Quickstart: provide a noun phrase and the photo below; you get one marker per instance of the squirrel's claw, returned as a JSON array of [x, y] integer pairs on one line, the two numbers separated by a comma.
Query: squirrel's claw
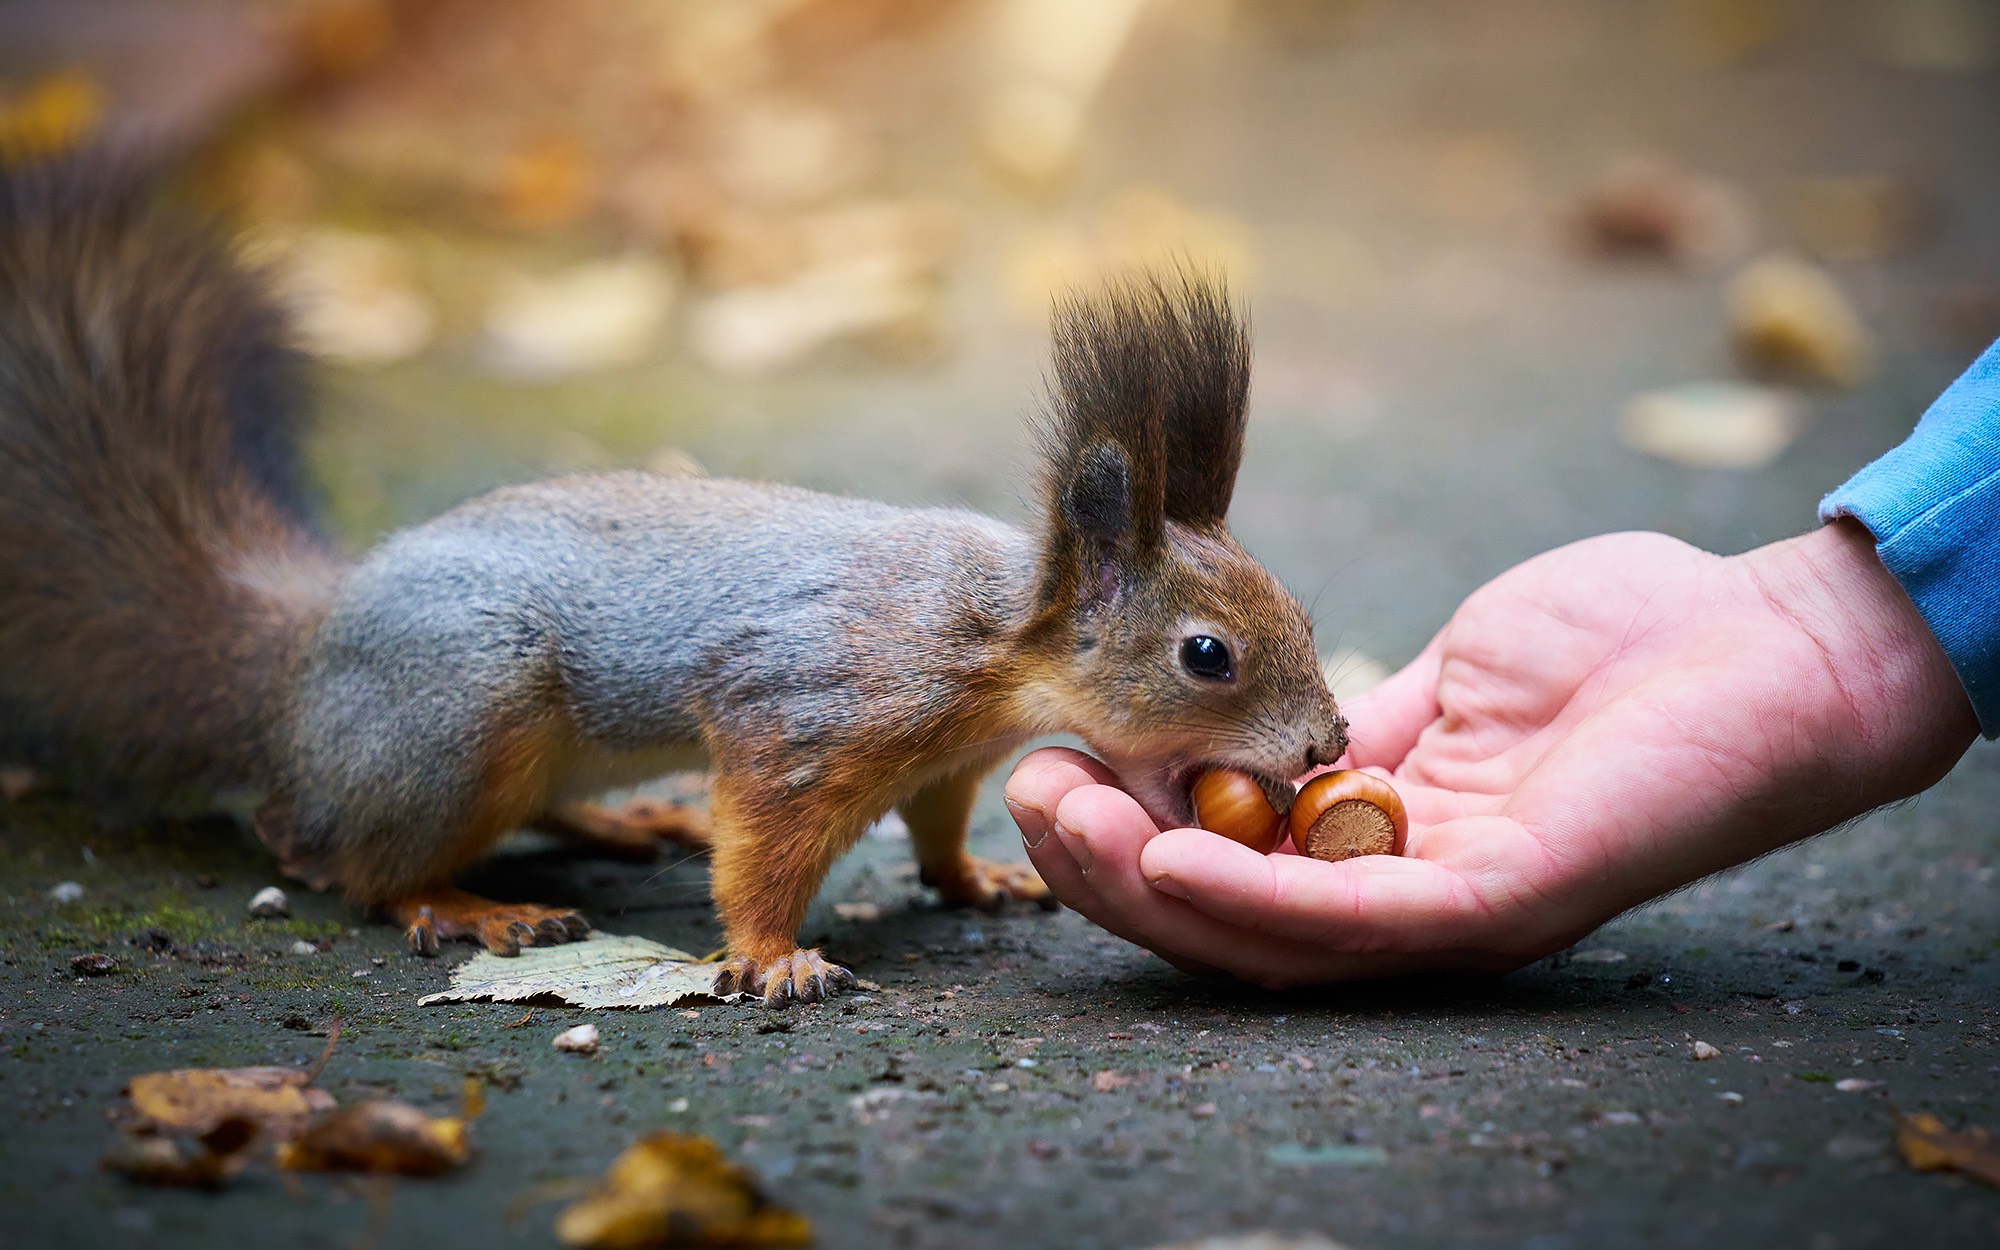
[[422, 934], [804, 976], [435, 916], [987, 885]]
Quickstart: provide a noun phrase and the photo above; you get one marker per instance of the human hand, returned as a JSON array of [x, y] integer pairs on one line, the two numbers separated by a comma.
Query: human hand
[[1592, 729]]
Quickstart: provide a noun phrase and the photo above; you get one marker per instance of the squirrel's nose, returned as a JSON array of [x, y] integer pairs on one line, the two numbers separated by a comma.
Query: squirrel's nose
[[1326, 749]]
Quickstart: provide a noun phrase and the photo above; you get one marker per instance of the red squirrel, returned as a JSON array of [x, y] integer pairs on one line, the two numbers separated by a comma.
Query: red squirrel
[[164, 599]]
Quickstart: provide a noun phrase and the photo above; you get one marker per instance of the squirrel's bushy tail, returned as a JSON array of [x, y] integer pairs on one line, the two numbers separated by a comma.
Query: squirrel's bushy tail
[[156, 569]]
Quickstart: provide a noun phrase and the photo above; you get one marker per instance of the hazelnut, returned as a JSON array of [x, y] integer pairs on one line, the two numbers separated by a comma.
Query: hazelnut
[[1233, 804], [1342, 814]]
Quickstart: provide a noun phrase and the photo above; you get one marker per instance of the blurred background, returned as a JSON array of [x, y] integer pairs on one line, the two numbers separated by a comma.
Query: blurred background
[[1520, 270]]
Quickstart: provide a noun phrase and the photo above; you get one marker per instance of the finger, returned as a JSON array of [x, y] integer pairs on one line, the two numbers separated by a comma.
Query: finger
[[1106, 832], [1040, 781], [1385, 721], [1377, 904]]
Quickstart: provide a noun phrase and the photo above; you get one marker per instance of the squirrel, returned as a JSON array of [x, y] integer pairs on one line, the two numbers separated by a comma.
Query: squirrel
[[166, 601]]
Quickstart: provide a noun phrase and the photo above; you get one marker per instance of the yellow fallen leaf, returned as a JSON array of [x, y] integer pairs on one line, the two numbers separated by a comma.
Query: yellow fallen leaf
[[677, 1189], [1928, 1146], [383, 1136], [1788, 316], [194, 1101]]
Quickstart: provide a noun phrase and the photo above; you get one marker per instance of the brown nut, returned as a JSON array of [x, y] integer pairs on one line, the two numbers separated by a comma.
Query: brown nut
[[1342, 814], [1233, 804]]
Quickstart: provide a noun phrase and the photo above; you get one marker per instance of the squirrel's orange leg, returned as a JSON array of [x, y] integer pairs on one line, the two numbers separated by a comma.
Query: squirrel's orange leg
[[632, 830], [771, 853], [444, 913], [940, 817]]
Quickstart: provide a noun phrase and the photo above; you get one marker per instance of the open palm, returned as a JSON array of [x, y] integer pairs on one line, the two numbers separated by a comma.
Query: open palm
[[1593, 728]]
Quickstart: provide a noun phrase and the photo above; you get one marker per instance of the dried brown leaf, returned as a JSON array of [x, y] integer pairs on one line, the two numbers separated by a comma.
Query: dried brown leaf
[[194, 1101], [205, 1162], [677, 1189], [383, 1136], [1928, 1146]]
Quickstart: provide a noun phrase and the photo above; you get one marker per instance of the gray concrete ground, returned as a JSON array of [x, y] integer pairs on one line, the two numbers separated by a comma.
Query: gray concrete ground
[[1439, 404]]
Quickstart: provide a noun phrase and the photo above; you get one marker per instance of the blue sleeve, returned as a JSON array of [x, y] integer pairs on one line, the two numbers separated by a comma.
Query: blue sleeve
[[1933, 505]]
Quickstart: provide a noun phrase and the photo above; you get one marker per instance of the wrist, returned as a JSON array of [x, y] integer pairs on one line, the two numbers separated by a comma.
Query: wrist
[[1907, 714]]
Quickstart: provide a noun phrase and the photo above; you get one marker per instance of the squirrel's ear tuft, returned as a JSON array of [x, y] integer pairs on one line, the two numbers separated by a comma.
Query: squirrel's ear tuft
[[1203, 347], [1160, 368]]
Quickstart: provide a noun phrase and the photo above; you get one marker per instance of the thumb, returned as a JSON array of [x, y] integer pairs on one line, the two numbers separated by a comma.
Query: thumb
[[1385, 721]]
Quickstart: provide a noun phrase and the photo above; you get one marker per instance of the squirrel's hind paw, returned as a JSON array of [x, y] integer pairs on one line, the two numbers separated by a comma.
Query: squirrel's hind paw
[[803, 976], [987, 885], [504, 928], [630, 831]]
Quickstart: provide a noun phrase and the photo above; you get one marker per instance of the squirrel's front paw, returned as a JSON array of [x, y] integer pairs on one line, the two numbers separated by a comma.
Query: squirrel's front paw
[[803, 976], [981, 883]]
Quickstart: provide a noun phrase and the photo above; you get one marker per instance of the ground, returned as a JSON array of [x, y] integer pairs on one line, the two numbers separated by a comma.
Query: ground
[[1439, 383]]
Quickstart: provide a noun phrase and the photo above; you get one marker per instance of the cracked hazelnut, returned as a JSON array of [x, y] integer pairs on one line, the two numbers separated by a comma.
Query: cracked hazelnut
[[1342, 814]]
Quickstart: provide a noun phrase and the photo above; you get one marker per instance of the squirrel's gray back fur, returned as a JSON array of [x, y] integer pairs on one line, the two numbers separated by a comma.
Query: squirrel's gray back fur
[[653, 612]]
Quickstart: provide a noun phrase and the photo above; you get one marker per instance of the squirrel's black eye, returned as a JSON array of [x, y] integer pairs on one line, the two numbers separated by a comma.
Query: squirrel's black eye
[[1207, 657]]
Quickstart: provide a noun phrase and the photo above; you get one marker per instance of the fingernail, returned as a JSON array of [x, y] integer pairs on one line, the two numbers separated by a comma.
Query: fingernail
[[1077, 844], [1166, 884], [1034, 825]]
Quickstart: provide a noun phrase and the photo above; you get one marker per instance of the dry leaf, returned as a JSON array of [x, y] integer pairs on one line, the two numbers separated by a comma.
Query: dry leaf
[[1051, 57], [600, 971], [194, 1101], [1789, 316], [198, 1101], [1646, 207], [1712, 425], [672, 1188], [1136, 228], [761, 329], [351, 296], [1928, 1146], [207, 1161], [590, 316], [383, 1136]]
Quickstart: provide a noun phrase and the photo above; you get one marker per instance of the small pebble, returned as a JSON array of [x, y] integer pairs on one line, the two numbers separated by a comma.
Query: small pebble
[[1855, 1085], [1702, 1050], [581, 1040], [65, 892], [270, 903], [1203, 1111], [303, 947], [359, 973], [95, 965], [1731, 1098]]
